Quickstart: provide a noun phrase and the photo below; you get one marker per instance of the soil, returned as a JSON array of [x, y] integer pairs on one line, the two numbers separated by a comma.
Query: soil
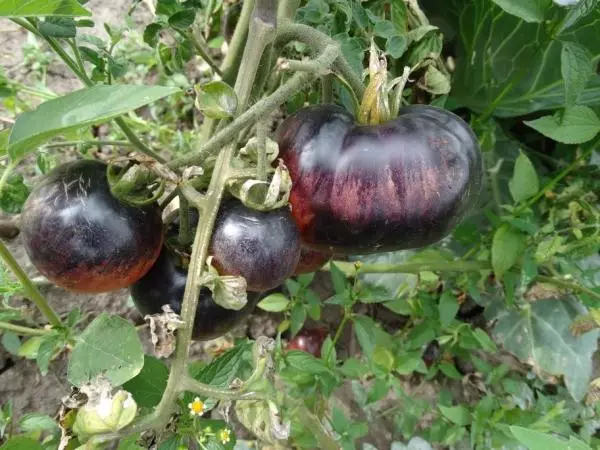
[[21, 381]]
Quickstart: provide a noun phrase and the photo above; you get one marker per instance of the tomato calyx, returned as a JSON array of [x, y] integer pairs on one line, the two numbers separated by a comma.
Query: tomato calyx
[[375, 108], [134, 184]]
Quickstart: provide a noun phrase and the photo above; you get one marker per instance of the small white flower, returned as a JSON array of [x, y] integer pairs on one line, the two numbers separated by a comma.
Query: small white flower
[[225, 436], [196, 407]]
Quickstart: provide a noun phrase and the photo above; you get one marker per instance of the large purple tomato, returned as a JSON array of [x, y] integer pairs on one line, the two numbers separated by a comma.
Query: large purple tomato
[[165, 283], [263, 247], [81, 237], [370, 188]]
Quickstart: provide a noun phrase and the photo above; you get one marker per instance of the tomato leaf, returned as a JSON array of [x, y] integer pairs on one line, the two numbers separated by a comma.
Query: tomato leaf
[[577, 125], [536, 440], [507, 245], [216, 99], [274, 303], [80, 108], [109, 346], [37, 422], [524, 183], [42, 8], [448, 308], [541, 336], [459, 415], [21, 443], [148, 386]]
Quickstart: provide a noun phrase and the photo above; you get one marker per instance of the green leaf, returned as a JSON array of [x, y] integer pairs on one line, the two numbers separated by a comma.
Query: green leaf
[[221, 371], [385, 29], [528, 10], [579, 12], [45, 8], [47, 349], [14, 194], [183, 19], [577, 125], [369, 334], [524, 183], [148, 386], [216, 99], [458, 415], [507, 246], [484, 340], [536, 440], [11, 342], [21, 443], [29, 348], [60, 27], [305, 362], [383, 358], [109, 346], [353, 368], [396, 46], [151, 34], [378, 390], [514, 67], [338, 278], [37, 422], [297, 318], [129, 443], [448, 308], [78, 109], [274, 303], [541, 336], [576, 68]]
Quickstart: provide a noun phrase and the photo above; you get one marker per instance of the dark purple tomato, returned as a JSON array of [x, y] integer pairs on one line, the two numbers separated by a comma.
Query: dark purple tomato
[[309, 340], [164, 284], [365, 189], [263, 247], [310, 260], [81, 237]]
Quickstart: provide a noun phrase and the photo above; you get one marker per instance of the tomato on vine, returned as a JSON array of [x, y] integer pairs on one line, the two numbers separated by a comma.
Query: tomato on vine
[[81, 237]]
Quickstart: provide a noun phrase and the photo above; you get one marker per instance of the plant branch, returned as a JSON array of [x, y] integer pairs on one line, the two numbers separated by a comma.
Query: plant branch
[[255, 113], [23, 331], [236, 46], [569, 285], [98, 143], [318, 41], [30, 289], [200, 46], [349, 268]]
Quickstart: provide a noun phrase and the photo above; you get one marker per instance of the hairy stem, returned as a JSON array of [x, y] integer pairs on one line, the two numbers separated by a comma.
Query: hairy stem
[[98, 143], [349, 268], [31, 290], [254, 113], [318, 41], [201, 49], [570, 285], [185, 234], [236, 46], [23, 331]]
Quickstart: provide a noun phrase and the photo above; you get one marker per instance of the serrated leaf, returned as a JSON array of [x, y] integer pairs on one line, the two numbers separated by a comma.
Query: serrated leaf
[[221, 371], [528, 10], [524, 183], [540, 335], [507, 246], [80, 108], [536, 440], [274, 303], [148, 386], [577, 68], [577, 125], [369, 335], [305, 362], [42, 8], [109, 346], [216, 99]]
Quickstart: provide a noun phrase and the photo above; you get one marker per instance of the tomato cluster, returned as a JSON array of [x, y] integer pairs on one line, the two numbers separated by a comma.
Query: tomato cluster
[[356, 189]]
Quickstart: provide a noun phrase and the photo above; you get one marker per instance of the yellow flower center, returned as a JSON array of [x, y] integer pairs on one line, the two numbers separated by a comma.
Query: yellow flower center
[[224, 435], [197, 407]]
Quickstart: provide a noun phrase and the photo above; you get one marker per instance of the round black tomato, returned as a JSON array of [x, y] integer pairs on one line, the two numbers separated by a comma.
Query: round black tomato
[[263, 247], [309, 340], [81, 237], [363, 189], [165, 283]]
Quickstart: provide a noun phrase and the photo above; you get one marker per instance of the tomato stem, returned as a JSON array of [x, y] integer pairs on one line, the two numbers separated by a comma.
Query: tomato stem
[[31, 290], [255, 113], [569, 285], [185, 235], [201, 49], [24, 331], [349, 268]]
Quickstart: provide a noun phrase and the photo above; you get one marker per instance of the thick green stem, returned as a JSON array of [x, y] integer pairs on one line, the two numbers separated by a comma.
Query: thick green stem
[[338, 334], [201, 49], [237, 44], [327, 89], [287, 10], [575, 287], [98, 143], [349, 268], [318, 41], [185, 235], [23, 331], [30, 289], [254, 113]]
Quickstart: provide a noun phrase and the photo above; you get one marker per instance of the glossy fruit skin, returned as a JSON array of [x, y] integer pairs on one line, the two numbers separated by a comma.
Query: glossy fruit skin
[[366, 189], [309, 340], [81, 237], [165, 284], [311, 261], [263, 247]]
